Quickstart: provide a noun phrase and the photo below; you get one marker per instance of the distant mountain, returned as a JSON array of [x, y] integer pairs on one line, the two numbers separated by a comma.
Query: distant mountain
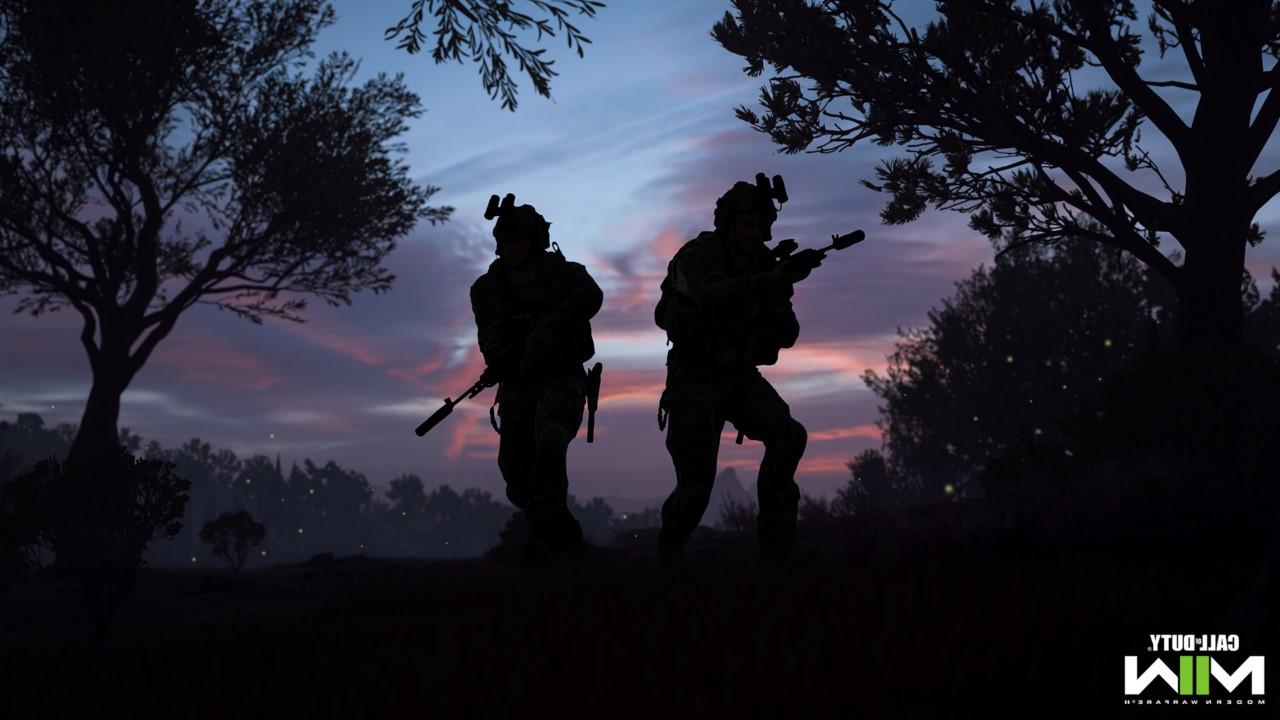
[[727, 486]]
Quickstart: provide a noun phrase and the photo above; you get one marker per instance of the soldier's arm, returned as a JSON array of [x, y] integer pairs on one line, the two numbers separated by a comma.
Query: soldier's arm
[[582, 301], [488, 314], [788, 326], [696, 277]]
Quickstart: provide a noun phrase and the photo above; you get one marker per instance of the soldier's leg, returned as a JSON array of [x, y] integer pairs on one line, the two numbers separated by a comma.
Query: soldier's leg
[[693, 440], [556, 422], [757, 410], [516, 446]]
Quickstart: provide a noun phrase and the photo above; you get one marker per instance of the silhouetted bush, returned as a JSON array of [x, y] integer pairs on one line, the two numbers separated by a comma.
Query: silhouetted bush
[[233, 535], [816, 512], [737, 516], [97, 518], [1171, 452]]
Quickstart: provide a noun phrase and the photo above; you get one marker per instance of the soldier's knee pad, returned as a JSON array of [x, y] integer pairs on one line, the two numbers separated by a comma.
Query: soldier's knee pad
[[798, 436], [695, 496], [552, 436], [519, 496], [791, 440]]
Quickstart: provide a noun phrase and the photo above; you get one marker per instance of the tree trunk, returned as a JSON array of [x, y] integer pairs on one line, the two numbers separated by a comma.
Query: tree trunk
[[1217, 160], [1210, 312], [99, 432]]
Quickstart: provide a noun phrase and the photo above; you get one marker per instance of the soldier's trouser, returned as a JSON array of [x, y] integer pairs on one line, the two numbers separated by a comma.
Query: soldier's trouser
[[538, 421], [697, 405]]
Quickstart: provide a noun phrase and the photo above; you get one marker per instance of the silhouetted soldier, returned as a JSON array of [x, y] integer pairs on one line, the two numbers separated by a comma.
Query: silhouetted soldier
[[726, 307], [533, 311]]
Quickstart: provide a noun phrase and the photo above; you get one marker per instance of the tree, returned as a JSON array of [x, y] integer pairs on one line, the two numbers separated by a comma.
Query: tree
[[595, 517], [461, 524], [159, 154], [233, 535], [329, 503], [339, 494], [260, 486], [409, 501], [815, 512], [408, 497], [26, 441], [650, 517], [994, 105], [476, 28], [1262, 321], [873, 484]]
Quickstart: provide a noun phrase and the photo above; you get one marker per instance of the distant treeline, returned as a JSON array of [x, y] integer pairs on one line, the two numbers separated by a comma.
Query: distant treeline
[[310, 508]]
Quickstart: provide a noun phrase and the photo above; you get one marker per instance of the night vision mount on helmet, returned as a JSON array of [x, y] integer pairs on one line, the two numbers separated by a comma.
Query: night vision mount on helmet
[[744, 198], [523, 219]]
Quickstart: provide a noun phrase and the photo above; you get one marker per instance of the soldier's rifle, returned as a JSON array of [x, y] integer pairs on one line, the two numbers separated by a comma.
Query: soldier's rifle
[[439, 415], [786, 248]]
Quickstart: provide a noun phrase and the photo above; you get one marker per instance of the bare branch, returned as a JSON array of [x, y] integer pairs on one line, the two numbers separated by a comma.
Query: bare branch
[[1173, 84]]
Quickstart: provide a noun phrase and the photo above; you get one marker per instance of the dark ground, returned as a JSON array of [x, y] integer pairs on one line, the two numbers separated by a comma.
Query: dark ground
[[613, 635]]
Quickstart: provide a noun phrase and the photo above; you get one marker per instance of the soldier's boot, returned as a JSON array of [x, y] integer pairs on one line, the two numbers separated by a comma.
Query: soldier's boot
[[568, 534], [556, 534], [671, 557], [681, 514], [537, 551]]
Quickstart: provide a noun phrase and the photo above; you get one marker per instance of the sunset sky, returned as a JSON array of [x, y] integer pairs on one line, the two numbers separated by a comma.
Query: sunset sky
[[626, 162]]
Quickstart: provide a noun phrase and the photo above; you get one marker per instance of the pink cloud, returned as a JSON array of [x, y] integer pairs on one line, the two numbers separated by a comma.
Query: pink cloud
[[849, 359], [866, 430], [823, 465], [343, 340], [469, 434], [413, 375], [632, 386], [203, 359]]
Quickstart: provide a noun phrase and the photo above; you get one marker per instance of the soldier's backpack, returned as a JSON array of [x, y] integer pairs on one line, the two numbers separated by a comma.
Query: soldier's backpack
[[675, 312]]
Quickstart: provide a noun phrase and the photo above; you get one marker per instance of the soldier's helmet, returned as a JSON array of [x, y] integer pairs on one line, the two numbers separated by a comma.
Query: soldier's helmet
[[748, 199], [526, 220]]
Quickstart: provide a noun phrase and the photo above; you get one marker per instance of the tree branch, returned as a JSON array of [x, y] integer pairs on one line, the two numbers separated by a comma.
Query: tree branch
[[1179, 15], [1100, 43], [1264, 124], [1263, 190], [1173, 84]]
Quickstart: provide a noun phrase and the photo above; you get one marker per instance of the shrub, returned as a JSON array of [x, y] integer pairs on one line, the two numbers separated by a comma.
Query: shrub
[[97, 518], [738, 516]]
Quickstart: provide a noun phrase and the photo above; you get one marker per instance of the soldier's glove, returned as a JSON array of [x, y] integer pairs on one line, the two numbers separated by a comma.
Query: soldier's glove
[[492, 375], [538, 348], [798, 266]]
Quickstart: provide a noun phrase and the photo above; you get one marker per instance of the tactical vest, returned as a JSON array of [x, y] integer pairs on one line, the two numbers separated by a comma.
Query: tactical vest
[[542, 296], [739, 337]]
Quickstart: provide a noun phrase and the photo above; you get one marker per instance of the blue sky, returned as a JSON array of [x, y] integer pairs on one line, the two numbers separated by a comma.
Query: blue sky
[[626, 162]]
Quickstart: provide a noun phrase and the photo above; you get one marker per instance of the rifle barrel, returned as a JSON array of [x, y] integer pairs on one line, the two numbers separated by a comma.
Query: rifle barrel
[[444, 411], [435, 418], [840, 242]]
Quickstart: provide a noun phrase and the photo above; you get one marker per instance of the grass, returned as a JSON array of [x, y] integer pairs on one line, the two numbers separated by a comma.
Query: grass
[[614, 635]]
